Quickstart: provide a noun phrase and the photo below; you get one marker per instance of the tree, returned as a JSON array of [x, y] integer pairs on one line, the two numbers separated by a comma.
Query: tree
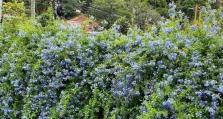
[[58, 9], [70, 7], [141, 13], [33, 8], [160, 6], [86, 5], [109, 10], [136, 12]]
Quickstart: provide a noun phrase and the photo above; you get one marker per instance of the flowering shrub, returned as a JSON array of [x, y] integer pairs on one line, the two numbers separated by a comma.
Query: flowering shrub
[[174, 70]]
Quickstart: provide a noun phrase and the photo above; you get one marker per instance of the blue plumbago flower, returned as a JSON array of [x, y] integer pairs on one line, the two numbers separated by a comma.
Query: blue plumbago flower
[[124, 88], [182, 53], [9, 100], [148, 35], [202, 95], [170, 79], [210, 83], [103, 46], [151, 63], [193, 27], [199, 114], [211, 112], [55, 84], [167, 30], [161, 64], [27, 67], [7, 110], [44, 115], [172, 56], [221, 77], [116, 28], [187, 82], [214, 30], [138, 41], [135, 66], [215, 102], [203, 9], [62, 27], [179, 26], [68, 44], [172, 10], [195, 60], [197, 74], [55, 48], [143, 109], [22, 34], [206, 20], [128, 47], [168, 44], [220, 89], [138, 38], [154, 44], [66, 63], [187, 43], [45, 55], [167, 105], [15, 83]]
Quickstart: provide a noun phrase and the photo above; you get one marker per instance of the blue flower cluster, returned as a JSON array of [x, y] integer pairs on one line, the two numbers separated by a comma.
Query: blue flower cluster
[[170, 71]]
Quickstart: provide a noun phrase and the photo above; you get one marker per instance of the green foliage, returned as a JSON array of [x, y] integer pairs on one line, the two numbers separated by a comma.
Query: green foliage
[[108, 10], [123, 24], [46, 18], [137, 12], [14, 9], [70, 7], [13, 13]]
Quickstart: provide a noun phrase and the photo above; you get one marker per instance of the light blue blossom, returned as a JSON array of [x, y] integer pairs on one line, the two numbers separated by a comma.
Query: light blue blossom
[[167, 30], [168, 44], [220, 89], [172, 56], [172, 10]]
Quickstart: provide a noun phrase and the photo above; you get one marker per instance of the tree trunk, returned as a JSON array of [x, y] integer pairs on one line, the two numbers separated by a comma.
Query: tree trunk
[[1, 15], [33, 8], [220, 3], [57, 8]]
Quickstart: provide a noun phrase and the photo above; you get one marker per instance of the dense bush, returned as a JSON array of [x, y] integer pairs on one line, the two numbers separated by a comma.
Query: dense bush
[[174, 70]]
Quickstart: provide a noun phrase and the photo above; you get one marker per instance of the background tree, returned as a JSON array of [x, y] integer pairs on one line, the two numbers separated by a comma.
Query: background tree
[[33, 8], [141, 13], [70, 7], [135, 11], [57, 8], [161, 6], [86, 5], [42, 6]]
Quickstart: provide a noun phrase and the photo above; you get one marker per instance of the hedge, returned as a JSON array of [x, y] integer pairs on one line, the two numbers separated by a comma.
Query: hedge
[[173, 70]]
